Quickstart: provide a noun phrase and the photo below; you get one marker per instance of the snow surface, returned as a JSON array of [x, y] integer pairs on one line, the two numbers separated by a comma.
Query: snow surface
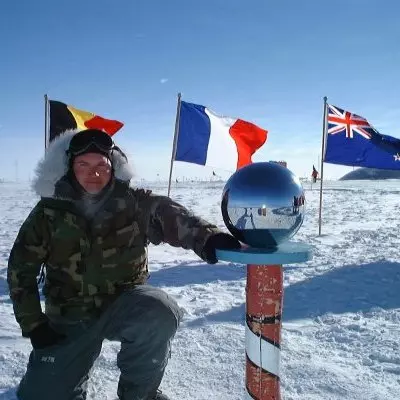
[[341, 325]]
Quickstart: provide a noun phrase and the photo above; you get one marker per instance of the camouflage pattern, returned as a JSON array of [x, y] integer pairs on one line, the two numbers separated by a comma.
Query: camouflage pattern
[[89, 263]]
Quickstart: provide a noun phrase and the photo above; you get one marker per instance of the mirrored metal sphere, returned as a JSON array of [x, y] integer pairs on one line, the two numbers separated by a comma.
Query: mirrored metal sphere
[[263, 204]]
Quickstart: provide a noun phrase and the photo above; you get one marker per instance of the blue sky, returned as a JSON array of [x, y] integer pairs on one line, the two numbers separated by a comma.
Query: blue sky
[[269, 62]]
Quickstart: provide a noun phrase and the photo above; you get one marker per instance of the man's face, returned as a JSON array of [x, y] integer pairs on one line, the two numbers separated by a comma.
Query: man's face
[[92, 171]]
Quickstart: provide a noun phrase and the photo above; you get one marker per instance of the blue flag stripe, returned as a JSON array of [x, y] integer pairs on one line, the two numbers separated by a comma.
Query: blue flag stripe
[[194, 134]]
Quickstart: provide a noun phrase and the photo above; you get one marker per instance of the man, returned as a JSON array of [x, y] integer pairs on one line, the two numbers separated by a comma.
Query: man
[[314, 174], [90, 232]]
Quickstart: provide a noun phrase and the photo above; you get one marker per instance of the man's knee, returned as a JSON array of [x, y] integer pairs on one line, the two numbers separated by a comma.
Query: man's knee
[[167, 315], [160, 311]]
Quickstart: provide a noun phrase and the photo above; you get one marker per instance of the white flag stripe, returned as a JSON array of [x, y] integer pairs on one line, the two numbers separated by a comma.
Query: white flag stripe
[[222, 152]]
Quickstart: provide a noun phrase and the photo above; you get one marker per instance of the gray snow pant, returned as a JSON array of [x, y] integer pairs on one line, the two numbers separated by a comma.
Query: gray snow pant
[[143, 319]]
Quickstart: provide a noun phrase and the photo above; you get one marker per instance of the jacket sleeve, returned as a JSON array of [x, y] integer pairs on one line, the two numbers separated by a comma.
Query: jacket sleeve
[[27, 255], [172, 223]]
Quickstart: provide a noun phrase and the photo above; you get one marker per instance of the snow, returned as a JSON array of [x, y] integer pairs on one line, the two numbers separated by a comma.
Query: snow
[[341, 318]]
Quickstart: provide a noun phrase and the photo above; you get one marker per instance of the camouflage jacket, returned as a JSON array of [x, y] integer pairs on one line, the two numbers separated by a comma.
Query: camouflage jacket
[[87, 263]]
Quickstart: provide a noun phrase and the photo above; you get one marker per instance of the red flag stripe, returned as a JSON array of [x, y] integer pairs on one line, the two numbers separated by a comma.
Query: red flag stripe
[[107, 125], [248, 138]]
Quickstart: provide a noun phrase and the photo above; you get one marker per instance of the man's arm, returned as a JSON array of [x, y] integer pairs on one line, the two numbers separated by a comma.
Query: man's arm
[[172, 223], [27, 255]]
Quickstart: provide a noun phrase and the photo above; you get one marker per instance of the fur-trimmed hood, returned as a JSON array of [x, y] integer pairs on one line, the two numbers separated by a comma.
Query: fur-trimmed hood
[[54, 165]]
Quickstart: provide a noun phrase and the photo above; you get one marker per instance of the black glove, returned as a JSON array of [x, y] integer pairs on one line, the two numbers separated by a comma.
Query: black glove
[[44, 336], [222, 241]]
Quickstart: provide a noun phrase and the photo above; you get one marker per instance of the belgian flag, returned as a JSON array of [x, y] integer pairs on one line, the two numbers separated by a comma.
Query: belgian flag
[[64, 117]]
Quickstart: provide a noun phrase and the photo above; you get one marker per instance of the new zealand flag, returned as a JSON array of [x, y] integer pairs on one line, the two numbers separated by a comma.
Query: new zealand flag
[[351, 140]]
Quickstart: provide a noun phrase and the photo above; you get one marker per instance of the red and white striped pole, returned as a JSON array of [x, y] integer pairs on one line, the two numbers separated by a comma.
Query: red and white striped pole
[[264, 305], [264, 296]]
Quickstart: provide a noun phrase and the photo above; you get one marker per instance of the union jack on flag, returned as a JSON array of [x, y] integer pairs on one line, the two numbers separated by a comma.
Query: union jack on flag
[[341, 121], [366, 147]]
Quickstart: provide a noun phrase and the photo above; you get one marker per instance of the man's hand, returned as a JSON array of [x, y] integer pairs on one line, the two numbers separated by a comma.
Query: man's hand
[[44, 336], [222, 241]]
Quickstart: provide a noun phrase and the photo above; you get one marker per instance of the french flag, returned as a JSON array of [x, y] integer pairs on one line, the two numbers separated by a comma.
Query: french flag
[[206, 138]]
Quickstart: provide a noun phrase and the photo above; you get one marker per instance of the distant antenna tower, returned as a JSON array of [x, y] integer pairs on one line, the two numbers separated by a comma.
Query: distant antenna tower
[[16, 171]]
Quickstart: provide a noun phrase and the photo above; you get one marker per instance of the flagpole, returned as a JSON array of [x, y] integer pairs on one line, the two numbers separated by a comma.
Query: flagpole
[[46, 119], [324, 128], [175, 141]]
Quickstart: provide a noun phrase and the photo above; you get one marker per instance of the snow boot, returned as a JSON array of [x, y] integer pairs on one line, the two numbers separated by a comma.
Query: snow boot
[[159, 396]]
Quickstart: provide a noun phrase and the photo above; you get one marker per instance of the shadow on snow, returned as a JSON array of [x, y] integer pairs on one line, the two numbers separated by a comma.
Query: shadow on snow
[[349, 289], [188, 274], [9, 394]]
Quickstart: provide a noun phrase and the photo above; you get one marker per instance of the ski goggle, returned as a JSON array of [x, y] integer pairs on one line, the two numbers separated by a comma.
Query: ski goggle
[[84, 140]]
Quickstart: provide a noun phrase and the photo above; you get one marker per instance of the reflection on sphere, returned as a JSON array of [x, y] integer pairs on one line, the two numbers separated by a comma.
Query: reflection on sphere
[[263, 204]]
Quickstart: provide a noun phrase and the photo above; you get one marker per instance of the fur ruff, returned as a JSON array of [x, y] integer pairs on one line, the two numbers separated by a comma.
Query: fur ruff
[[54, 165]]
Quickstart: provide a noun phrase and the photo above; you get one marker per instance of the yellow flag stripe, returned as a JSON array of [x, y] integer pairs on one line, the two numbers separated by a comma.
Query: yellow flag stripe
[[80, 116]]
